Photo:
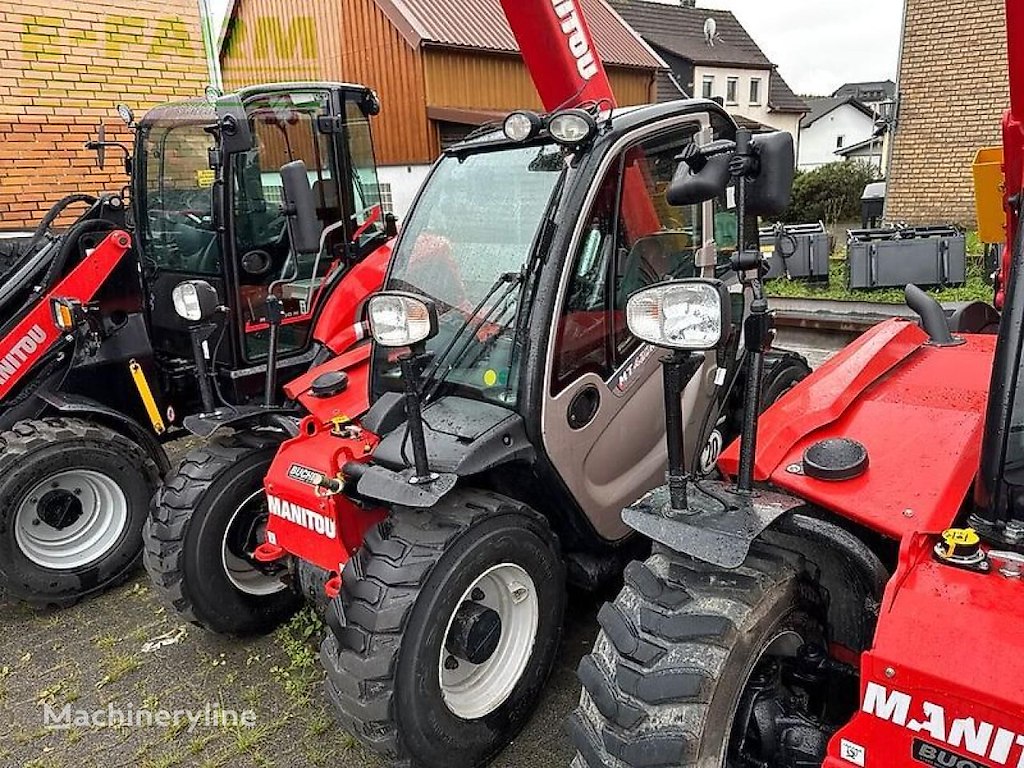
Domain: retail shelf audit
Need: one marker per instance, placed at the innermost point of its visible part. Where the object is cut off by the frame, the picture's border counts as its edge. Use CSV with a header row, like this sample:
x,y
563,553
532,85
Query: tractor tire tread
x,y
175,501
380,585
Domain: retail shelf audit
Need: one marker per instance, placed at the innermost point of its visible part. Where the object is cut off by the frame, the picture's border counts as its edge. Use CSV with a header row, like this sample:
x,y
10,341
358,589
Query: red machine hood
x,y
918,409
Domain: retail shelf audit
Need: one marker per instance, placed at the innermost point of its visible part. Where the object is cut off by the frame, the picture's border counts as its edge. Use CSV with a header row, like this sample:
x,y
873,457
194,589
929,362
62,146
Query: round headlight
x,y
572,127
685,314
194,300
522,126
401,319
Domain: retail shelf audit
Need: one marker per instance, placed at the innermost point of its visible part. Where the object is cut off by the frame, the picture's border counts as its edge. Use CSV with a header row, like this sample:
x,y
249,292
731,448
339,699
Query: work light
x,y
522,126
194,300
574,126
400,319
682,314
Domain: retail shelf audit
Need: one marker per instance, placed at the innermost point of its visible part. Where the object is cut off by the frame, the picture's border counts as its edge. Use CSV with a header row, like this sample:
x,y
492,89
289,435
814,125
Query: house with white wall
x,y
833,125
711,55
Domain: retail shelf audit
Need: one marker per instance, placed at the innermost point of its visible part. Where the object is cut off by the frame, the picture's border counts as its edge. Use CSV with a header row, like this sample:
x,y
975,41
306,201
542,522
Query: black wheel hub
x,y
781,721
475,633
247,532
59,508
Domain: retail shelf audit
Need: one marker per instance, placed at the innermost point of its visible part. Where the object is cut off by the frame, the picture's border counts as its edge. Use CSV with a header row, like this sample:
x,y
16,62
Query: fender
x,y
84,406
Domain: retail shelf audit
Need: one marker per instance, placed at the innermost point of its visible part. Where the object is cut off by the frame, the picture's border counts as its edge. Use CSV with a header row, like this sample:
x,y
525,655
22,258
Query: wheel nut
x,y
36,521
477,594
451,663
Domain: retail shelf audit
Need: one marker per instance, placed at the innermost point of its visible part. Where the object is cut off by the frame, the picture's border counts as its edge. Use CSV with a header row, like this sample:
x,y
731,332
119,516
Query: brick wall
x,y
954,89
64,65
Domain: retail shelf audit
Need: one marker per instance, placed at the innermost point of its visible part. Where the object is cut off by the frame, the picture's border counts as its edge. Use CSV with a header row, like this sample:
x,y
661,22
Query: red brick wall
x,y
953,89
64,65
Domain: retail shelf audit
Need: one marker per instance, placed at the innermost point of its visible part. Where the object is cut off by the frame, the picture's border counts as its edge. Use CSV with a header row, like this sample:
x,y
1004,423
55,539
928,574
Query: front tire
x,y
205,521
676,655
446,629
73,498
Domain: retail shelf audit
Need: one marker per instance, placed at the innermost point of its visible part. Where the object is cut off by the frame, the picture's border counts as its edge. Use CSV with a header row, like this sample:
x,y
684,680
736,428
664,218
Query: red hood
x,y
918,409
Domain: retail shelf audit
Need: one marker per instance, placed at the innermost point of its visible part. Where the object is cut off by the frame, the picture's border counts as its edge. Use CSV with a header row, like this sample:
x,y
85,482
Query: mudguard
x,y
77,405
918,409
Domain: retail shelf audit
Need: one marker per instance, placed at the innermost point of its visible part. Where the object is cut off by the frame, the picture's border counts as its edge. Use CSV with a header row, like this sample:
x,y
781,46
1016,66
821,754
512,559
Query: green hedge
x,y
830,193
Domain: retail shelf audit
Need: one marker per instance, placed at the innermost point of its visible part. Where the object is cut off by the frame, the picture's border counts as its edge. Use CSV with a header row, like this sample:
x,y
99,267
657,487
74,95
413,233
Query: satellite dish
x,y
710,31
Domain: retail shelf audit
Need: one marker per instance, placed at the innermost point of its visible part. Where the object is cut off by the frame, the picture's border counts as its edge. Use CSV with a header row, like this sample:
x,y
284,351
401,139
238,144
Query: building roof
x,y
860,90
819,107
781,97
481,25
874,141
680,31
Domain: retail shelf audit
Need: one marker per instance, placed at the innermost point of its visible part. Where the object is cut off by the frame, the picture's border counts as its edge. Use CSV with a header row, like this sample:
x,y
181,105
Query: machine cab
x,y
208,205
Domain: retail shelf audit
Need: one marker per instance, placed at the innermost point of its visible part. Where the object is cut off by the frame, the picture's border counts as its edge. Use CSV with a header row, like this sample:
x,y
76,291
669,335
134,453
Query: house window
x,y
732,91
387,201
840,142
709,86
755,91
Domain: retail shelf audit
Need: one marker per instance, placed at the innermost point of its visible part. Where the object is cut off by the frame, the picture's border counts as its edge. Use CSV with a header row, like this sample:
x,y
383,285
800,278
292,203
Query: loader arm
x,y
37,332
1013,139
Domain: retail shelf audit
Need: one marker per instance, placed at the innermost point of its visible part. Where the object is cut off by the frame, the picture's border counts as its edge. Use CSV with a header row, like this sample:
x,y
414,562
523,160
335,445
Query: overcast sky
x,y
820,44
817,44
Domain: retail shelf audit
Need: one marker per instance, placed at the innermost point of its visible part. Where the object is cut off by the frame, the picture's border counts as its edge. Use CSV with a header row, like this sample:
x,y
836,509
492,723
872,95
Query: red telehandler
x,y
854,599
191,294
504,420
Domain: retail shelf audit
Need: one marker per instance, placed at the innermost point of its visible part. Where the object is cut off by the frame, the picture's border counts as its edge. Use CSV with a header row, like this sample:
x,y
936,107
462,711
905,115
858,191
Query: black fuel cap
x,y
837,458
329,384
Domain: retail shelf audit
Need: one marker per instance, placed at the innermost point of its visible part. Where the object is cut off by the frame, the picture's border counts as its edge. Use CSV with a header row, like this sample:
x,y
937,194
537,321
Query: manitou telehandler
x,y
855,598
103,349
505,418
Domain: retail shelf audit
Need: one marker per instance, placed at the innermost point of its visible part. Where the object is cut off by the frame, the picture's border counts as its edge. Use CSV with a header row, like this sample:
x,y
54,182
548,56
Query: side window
x,y
633,238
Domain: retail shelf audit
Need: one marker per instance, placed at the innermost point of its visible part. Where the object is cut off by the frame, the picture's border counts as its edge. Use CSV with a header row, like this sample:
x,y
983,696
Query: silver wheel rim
x,y
100,511
471,691
240,572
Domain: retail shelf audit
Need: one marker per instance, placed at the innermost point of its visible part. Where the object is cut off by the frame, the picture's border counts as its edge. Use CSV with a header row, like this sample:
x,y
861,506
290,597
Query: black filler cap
x,y
835,459
329,384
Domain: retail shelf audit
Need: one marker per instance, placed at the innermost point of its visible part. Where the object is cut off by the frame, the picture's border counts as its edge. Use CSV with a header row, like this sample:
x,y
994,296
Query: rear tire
x,y
191,549
391,684
675,653
73,499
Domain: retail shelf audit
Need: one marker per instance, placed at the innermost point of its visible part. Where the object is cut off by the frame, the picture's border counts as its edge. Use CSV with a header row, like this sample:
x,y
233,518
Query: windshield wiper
x,y
510,281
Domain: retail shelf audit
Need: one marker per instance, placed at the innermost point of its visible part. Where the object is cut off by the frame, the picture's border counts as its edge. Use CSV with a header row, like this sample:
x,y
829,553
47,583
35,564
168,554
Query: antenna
x,y
710,31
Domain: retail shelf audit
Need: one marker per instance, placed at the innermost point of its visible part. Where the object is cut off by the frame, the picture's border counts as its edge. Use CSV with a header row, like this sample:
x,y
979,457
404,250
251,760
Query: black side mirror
x,y
233,126
300,207
769,193
703,174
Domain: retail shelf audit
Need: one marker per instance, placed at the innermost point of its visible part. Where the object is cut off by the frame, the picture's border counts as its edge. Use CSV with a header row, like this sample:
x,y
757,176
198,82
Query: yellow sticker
x,y
767,249
490,377
205,178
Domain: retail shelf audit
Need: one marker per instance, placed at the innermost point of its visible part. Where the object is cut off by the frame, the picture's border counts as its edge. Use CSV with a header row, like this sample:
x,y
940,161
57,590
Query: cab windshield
x,y
465,247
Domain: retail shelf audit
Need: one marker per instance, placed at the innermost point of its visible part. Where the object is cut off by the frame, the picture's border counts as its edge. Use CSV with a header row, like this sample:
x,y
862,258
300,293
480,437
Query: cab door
x,y
603,419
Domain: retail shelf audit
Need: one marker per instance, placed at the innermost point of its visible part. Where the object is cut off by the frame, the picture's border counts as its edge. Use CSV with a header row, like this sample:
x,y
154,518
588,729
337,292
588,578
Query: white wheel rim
x,y
240,572
98,511
472,691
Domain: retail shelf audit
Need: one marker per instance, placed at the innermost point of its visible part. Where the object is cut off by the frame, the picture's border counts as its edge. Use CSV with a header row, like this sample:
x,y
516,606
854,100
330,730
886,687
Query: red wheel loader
x,y
854,597
445,499
178,304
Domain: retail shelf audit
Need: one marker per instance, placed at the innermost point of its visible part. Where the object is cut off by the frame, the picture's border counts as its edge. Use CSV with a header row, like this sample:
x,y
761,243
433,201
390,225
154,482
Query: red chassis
x,y
920,412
